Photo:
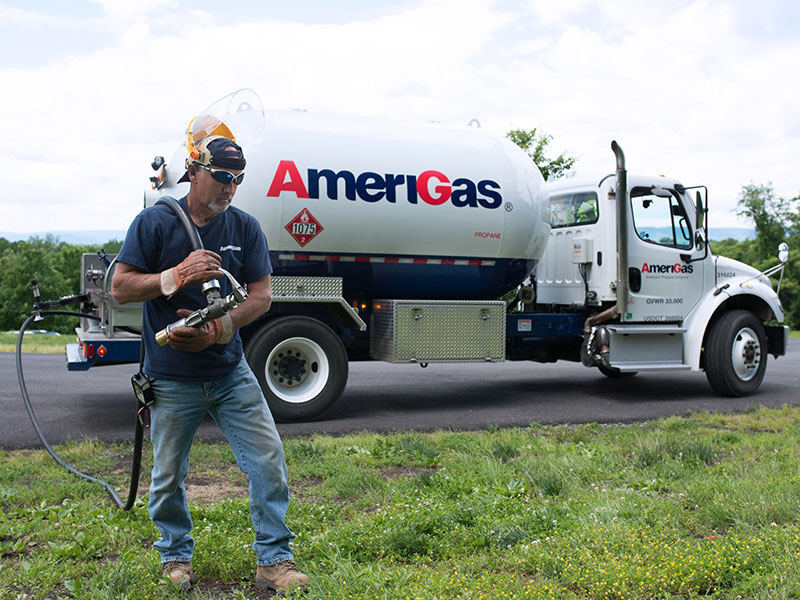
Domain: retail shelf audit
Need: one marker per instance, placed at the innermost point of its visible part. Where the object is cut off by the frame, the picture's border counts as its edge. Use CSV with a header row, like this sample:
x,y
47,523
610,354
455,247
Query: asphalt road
x,y
380,397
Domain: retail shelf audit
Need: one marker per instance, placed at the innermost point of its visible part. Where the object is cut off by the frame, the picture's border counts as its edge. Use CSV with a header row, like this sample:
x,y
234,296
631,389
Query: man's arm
x,y
132,284
259,299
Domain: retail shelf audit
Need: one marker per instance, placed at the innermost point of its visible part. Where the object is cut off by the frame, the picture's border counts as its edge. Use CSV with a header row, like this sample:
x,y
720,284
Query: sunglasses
x,y
223,177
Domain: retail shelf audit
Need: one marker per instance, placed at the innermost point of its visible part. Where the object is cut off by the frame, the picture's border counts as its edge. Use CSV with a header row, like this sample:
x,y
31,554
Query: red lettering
x,y
645,268
443,191
293,184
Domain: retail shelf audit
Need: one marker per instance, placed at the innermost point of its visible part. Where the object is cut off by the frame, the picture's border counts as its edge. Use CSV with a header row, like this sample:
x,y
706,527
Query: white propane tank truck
x,y
424,243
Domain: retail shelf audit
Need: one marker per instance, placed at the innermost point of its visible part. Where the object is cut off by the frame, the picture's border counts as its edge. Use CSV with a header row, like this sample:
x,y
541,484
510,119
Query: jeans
x,y
238,406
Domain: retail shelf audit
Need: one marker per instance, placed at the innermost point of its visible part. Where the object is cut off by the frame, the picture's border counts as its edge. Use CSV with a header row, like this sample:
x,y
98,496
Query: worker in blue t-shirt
x,y
202,370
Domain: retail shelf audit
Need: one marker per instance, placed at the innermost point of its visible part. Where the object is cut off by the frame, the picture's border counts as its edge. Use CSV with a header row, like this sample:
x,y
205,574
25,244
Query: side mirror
x,y
700,238
701,213
783,252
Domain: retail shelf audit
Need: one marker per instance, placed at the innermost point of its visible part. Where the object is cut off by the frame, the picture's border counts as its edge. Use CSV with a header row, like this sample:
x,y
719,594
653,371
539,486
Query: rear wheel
x,y
301,365
736,354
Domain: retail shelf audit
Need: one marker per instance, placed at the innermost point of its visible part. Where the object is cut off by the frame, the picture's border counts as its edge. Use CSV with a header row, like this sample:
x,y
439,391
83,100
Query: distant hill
x,y
96,236
717,234
100,236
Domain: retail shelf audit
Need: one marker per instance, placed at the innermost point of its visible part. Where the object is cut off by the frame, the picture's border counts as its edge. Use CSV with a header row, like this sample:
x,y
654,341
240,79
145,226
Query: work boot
x,y
180,573
281,577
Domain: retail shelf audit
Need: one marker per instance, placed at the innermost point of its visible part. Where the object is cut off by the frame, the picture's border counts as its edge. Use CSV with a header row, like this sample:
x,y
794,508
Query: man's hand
x,y
195,339
200,266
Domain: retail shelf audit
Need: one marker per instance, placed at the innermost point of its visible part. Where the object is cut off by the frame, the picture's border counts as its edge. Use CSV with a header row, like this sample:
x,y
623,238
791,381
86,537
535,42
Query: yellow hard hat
x,y
203,129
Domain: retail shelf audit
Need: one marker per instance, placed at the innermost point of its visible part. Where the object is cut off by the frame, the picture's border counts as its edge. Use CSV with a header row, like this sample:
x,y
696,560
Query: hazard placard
x,y
304,227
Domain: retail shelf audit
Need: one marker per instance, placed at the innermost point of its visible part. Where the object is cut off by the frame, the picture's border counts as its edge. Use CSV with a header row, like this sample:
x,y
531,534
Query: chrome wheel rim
x,y
745,354
297,370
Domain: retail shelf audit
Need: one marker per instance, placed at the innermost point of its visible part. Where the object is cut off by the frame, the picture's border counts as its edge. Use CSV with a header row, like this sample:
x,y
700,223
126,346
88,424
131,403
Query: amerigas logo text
x,y
676,268
432,187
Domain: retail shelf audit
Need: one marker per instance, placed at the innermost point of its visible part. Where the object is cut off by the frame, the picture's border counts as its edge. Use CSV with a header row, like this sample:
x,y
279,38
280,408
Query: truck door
x,y
664,282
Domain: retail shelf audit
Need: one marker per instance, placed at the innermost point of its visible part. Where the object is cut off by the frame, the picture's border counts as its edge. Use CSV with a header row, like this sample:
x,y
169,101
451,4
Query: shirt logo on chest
x,y
230,247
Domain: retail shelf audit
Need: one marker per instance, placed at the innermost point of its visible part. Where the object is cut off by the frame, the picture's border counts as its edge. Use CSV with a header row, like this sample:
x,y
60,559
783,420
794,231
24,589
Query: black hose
x,y
136,465
137,451
138,437
188,225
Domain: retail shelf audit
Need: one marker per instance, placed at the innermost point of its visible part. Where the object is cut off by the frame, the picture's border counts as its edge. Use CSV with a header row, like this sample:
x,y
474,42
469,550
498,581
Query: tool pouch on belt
x,y
143,388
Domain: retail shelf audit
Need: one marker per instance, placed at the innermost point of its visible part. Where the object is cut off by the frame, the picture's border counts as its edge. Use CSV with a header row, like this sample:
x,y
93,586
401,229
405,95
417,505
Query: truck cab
x,y
666,301
580,259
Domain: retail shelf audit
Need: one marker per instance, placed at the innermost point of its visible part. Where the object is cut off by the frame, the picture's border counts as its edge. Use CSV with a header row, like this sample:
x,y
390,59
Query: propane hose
x,y
217,305
138,438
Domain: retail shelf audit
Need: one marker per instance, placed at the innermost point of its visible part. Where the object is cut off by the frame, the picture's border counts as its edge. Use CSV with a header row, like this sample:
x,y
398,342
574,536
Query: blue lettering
x,y
367,182
493,199
392,181
333,187
464,197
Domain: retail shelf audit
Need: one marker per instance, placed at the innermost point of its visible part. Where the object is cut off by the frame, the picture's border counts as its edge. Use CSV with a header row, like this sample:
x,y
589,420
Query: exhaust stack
x,y
622,231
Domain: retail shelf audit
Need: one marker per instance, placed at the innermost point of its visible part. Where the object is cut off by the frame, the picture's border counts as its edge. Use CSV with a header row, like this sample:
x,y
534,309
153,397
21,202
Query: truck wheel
x,y
615,373
301,365
735,354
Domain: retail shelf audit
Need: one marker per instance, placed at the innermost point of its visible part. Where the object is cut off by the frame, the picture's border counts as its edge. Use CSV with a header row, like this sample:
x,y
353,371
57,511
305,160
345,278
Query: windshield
x,y
659,217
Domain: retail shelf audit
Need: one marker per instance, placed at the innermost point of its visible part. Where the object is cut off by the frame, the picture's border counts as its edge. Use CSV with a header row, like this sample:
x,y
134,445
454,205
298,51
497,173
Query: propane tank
x,y
398,209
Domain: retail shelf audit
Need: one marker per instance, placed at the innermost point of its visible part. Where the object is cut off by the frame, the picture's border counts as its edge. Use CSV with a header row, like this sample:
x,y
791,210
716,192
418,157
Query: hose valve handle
x,y
238,291
37,300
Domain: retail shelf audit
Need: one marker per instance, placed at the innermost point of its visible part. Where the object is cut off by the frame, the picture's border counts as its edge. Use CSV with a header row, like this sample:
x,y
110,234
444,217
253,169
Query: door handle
x,y
634,279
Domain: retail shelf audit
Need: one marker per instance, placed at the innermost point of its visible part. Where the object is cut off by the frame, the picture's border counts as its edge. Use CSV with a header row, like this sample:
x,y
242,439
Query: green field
x,y
48,344
707,506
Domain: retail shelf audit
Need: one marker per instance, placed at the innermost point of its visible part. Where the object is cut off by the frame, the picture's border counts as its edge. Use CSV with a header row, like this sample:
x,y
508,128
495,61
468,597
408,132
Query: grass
x,y
677,508
40,344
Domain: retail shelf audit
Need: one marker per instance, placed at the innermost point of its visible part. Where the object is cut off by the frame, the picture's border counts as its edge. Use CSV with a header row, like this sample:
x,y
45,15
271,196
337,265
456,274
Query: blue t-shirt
x,y
156,240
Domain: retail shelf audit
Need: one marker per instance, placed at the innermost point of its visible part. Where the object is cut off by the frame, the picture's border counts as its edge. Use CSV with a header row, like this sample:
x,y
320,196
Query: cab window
x,y
573,209
659,217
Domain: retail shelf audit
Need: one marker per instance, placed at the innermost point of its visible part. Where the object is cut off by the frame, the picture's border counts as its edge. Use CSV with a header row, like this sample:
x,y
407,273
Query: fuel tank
x,y
398,209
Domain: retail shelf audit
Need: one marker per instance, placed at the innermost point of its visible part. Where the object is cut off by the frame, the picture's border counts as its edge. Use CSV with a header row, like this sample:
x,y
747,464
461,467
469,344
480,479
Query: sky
x,y
701,90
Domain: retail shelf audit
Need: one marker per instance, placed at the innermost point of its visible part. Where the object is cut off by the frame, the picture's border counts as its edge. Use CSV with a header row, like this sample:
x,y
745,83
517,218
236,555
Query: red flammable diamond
x,y
304,227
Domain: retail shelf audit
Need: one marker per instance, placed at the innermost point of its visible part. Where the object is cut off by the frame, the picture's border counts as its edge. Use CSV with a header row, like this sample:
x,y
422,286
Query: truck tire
x,y
301,365
736,354
615,373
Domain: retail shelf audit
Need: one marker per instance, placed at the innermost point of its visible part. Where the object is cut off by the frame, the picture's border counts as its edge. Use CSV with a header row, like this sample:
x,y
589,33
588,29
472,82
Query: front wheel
x,y
736,354
301,365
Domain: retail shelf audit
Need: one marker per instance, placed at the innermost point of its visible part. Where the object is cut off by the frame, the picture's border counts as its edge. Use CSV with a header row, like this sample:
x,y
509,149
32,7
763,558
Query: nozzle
x,y
162,337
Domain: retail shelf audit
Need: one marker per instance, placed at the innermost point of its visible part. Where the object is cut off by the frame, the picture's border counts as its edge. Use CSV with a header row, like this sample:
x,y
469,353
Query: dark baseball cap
x,y
222,153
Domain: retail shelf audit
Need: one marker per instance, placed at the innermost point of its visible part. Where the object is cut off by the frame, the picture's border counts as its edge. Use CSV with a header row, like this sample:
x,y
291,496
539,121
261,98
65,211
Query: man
x,y
202,370
587,211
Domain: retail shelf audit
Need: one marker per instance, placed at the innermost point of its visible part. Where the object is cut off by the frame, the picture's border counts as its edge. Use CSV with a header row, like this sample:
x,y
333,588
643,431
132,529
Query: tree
x,y
534,145
771,215
776,220
55,265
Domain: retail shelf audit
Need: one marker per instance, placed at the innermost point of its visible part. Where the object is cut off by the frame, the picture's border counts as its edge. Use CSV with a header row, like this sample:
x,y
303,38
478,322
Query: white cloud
x,y
125,10
685,88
